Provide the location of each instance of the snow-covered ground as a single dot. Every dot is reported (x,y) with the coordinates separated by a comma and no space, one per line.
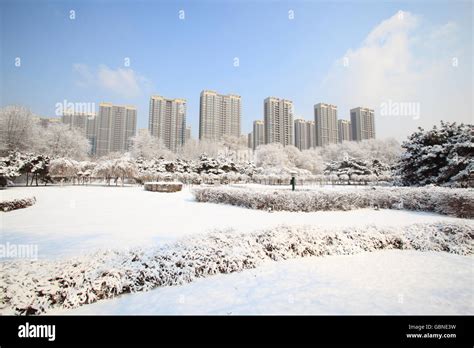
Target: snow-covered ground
(73,220)
(383,282)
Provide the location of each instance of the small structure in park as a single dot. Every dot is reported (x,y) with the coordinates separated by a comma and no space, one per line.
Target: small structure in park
(163,186)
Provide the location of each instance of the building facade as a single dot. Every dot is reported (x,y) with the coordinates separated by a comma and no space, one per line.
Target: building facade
(304,134)
(219,115)
(278,122)
(86,123)
(325,118)
(363,123)
(311,131)
(167,121)
(115,126)
(258,134)
(187,136)
(344,130)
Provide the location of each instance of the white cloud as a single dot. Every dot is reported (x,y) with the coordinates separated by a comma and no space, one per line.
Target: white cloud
(402,60)
(123,82)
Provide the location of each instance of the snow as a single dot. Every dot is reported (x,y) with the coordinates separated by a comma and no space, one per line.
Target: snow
(383,282)
(73,220)
(35,287)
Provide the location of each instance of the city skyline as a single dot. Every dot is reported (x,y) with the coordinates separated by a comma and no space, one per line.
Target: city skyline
(219,116)
(378,63)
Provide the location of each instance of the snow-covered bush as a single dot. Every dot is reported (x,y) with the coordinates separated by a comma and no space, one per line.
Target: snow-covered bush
(9,169)
(347,168)
(34,287)
(118,168)
(19,203)
(63,168)
(456,202)
(441,156)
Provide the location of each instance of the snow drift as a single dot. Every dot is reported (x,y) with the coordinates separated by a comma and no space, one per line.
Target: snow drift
(448,201)
(34,287)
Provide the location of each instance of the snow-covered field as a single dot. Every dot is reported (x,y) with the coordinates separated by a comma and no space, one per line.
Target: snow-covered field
(73,220)
(392,281)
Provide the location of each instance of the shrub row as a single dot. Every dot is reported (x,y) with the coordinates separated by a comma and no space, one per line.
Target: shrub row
(448,201)
(34,287)
(17,204)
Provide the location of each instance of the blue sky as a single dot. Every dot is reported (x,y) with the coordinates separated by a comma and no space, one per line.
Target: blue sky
(82,60)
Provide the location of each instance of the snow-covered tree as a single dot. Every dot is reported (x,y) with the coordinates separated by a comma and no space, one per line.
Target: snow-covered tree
(9,169)
(123,168)
(58,140)
(385,150)
(193,149)
(147,146)
(271,155)
(104,170)
(351,169)
(17,129)
(34,166)
(118,168)
(63,168)
(443,156)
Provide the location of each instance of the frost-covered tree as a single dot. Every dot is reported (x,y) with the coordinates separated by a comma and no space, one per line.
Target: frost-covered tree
(271,155)
(63,168)
(354,170)
(118,168)
(17,129)
(58,140)
(9,169)
(34,167)
(442,156)
(104,170)
(231,145)
(385,150)
(124,168)
(193,149)
(147,146)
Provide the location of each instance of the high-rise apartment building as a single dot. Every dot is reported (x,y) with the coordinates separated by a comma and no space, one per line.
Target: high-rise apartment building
(311,134)
(325,118)
(187,135)
(86,123)
(115,126)
(278,121)
(304,134)
(363,123)
(167,121)
(301,134)
(258,134)
(219,115)
(250,140)
(344,130)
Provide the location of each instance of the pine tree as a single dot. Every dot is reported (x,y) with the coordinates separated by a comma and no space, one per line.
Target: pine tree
(440,156)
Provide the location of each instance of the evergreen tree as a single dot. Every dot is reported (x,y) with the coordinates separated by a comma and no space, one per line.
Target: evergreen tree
(440,156)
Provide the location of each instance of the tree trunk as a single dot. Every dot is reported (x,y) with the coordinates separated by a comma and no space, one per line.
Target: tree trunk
(26,178)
